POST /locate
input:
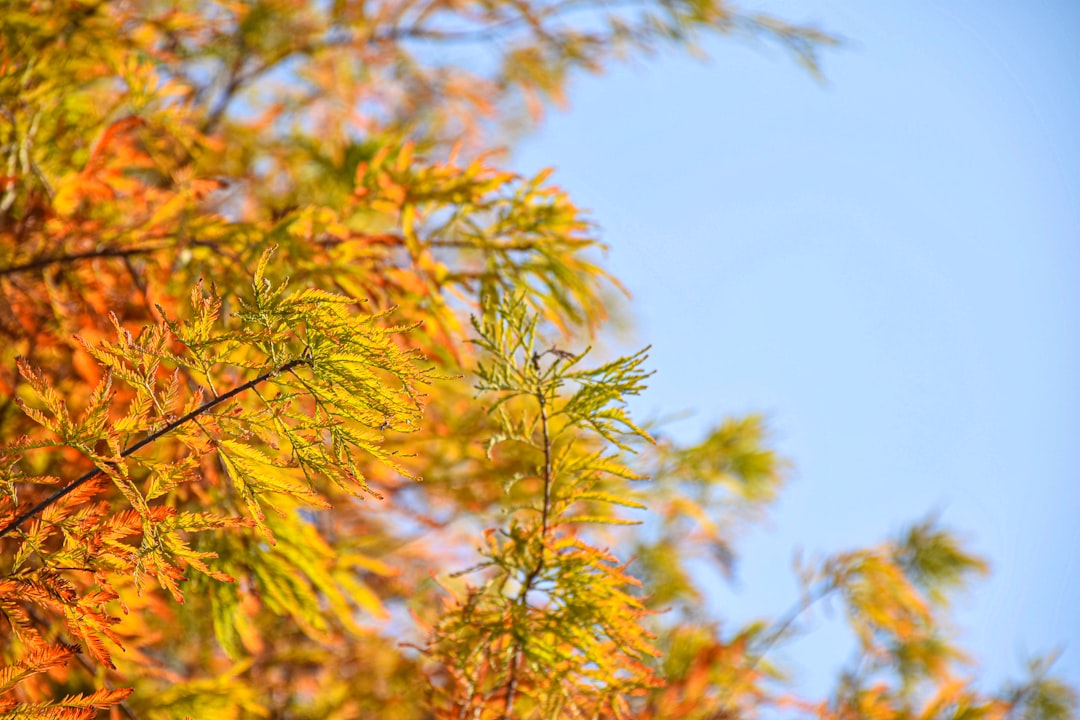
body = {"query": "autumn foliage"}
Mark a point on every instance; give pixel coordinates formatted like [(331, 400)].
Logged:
[(297, 408)]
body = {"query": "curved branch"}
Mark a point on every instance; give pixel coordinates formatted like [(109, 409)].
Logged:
[(108, 252), (208, 405), (41, 262)]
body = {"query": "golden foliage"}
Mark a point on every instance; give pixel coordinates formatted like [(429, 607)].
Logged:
[(239, 244)]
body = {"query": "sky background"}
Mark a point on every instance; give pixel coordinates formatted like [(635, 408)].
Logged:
[(887, 265)]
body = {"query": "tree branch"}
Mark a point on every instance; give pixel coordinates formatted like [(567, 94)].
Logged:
[(38, 263), (208, 405), (41, 262), (770, 641), (519, 654)]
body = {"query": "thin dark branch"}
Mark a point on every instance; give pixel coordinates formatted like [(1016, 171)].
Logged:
[(497, 29), (511, 685), (489, 245), (208, 405), (238, 80), (108, 686), (547, 454), (519, 654), (783, 626), (235, 83), (125, 253), (38, 263)]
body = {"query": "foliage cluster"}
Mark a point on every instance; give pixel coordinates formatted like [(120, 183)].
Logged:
[(239, 245)]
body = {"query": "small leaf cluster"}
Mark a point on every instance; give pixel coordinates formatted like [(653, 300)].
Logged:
[(554, 630)]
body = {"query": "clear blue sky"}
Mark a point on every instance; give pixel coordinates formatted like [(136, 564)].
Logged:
[(888, 265)]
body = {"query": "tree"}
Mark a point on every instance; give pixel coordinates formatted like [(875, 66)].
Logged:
[(239, 246)]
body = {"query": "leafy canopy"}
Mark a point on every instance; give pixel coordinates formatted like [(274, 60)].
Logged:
[(240, 244)]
